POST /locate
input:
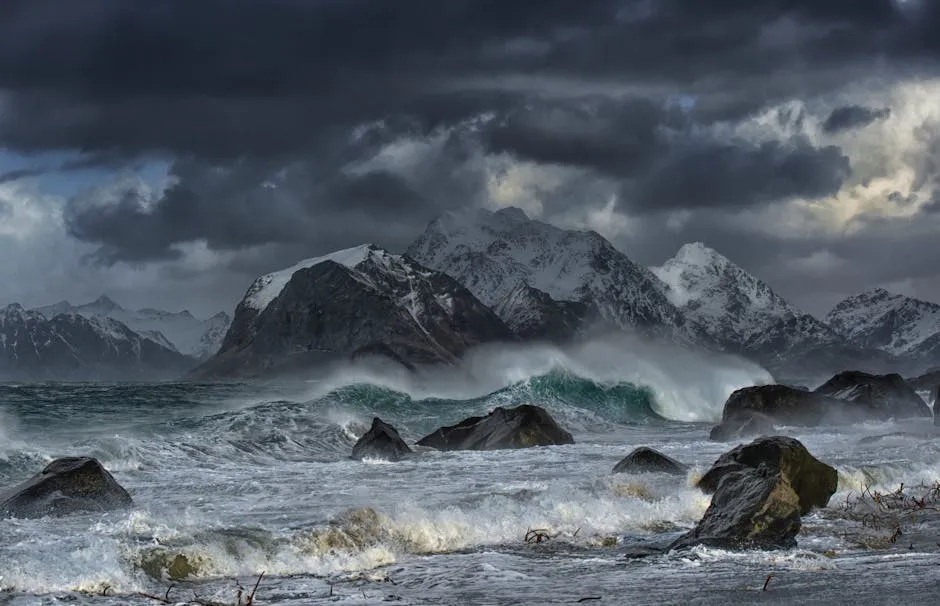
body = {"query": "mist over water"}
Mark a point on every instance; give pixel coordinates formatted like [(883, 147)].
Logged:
[(245, 478)]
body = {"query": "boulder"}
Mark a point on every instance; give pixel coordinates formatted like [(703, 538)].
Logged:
[(813, 481), (753, 508), (521, 427), (743, 425), (781, 403), (643, 460), (380, 442), (876, 396), (67, 485)]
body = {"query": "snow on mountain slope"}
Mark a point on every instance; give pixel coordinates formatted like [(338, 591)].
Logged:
[(74, 347), (491, 253), (178, 330), (734, 307), (897, 324), (266, 288), (357, 301)]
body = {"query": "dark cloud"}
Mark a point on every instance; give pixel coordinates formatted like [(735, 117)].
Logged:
[(244, 77), (851, 117), (249, 203), (739, 175), (260, 107)]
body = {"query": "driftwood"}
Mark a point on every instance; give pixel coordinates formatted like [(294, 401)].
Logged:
[(241, 599)]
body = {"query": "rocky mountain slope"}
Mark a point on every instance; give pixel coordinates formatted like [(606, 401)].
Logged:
[(355, 301), (73, 347), (900, 325), (744, 315), (541, 279), (199, 338)]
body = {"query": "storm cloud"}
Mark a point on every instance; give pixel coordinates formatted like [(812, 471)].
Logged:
[(853, 116), (294, 127)]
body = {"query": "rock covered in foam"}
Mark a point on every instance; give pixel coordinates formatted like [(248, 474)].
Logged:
[(67, 485), (505, 428), (381, 442)]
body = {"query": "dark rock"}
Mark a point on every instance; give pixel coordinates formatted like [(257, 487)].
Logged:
[(877, 396), (753, 508), (520, 427), (813, 481), (645, 459), (65, 486), (380, 442), (899, 434), (783, 404), (743, 425)]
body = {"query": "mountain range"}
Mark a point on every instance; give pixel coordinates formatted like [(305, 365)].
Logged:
[(73, 347), (475, 277), (527, 280), (175, 330)]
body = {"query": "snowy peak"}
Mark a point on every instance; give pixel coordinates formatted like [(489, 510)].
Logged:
[(179, 331), (734, 307), (894, 323), (491, 253), (704, 279), (266, 288)]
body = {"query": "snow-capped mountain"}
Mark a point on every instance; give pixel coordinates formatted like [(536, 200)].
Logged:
[(351, 302), (492, 253), (71, 346), (743, 315), (897, 324), (734, 307), (199, 338)]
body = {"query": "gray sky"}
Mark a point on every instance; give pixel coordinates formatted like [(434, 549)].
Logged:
[(167, 152)]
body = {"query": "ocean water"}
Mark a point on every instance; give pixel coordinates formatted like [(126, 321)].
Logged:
[(233, 480)]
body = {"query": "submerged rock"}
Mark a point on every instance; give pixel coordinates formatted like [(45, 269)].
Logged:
[(876, 396), (760, 491), (68, 485), (813, 481), (644, 459), (521, 427), (381, 442)]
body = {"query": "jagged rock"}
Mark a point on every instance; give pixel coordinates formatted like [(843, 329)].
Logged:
[(813, 481), (380, 442), (521, 427), (753, 508), (760, 491), (876, 396), (363, 300), (65, 486), (644, 459), (743, 425)]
